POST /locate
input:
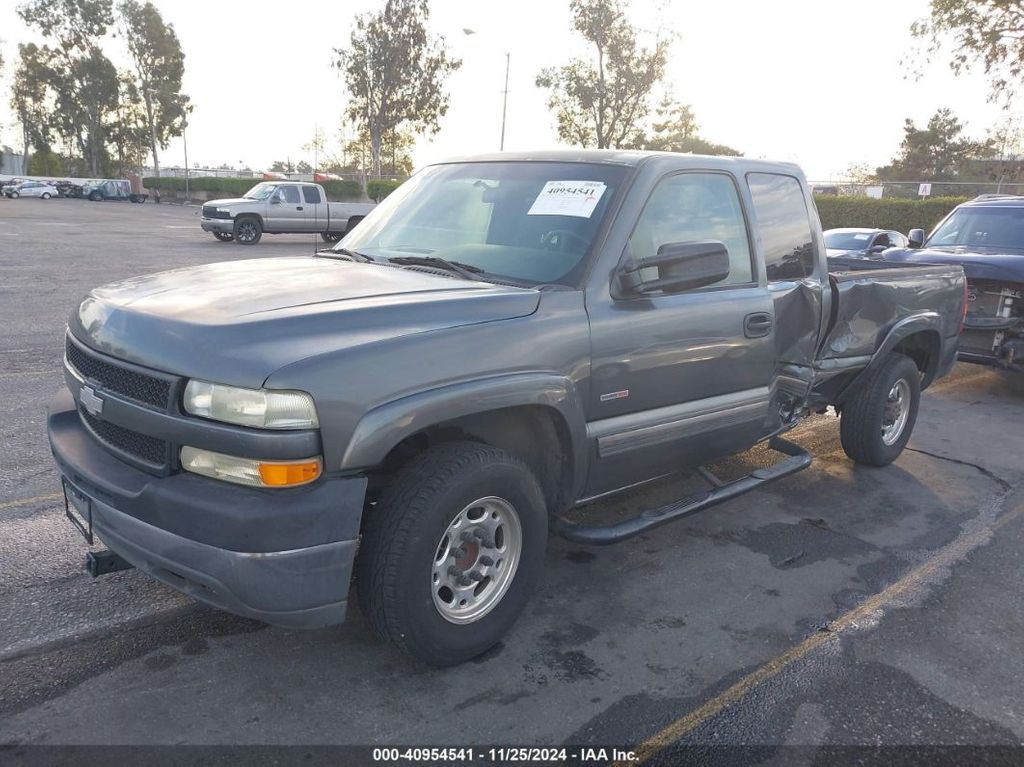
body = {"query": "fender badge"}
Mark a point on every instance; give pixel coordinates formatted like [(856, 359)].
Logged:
[(615, 395), (88, 399)]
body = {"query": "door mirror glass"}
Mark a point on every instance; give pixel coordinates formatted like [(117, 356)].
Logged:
[(916, 237), (676, 267)]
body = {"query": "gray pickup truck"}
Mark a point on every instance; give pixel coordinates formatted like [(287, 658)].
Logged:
[(281, 207), (503, 339)]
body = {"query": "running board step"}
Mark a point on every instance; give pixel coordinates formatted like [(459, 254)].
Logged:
[(591, 535)]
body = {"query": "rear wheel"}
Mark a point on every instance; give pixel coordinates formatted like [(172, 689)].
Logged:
[(12, 195), (331, 236), (451, 552), (224, 236), (878, 420), (248, 231), (45, 195), (95, 196)]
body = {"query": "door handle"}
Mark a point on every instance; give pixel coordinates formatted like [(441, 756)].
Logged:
[(757, 325), (298, 207)]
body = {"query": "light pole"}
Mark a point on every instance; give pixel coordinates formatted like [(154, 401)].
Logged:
[(504, 94), (186, 108)]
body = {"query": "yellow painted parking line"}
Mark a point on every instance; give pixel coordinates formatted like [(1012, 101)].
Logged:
[(27, 501), (862, 614)]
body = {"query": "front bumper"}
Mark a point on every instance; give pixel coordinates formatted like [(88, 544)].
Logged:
[(283, 557), (221, 225)]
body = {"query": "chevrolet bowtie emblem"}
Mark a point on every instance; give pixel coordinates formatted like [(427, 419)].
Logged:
[(88, 399)]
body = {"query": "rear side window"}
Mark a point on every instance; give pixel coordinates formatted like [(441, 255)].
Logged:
[(785, 225), (311, 194)]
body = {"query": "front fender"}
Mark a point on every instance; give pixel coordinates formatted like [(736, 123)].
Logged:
[(379, 430)]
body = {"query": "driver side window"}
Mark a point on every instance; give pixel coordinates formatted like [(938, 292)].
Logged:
[(695, 207)]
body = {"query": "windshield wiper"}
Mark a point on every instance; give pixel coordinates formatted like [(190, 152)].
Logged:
[(466, 271), (347, 255)]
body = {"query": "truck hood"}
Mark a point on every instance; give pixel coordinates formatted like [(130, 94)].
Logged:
[(978, 263), (237, 322), (230, 201)]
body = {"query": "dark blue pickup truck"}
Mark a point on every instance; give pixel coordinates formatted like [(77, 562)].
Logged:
[(986, 237), (504, 338)]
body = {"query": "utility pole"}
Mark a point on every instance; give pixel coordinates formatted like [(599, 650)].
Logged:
[(504, 101)]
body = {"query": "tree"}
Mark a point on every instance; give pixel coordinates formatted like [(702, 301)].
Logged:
[(395, 154), (937, 152), (159, 66), (985, 32), (303, 167), (674, 129), (79, 80), (602, 100), (28, 99), (281, 166), (395, 73)]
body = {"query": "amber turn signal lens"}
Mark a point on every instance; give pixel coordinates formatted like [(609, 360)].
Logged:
[(284, 474)]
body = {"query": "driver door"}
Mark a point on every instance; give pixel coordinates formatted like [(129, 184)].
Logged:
[(679, 378)]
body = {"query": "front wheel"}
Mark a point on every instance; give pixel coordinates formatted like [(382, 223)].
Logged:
[(878, 420), (451, 551), (331, 236), (224, 236), (45, 195), (13, 195), (95, 196), (248, 231)]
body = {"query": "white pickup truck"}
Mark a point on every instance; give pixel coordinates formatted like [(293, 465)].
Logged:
[(281, 207)]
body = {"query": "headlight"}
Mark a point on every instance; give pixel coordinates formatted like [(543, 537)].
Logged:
[(259, 408), (248, 471)]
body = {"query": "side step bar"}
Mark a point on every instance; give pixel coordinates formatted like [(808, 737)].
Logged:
[(591, 535)]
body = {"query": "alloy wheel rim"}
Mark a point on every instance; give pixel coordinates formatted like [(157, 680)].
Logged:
[(246, 231), (896, 413), (476, 559)]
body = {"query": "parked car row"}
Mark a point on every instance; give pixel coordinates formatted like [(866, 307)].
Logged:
[(95, 190), (986, 237)]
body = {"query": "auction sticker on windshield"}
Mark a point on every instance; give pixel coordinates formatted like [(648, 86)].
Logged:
[(567, 198)]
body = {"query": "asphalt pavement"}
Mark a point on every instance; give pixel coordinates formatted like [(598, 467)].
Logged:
[(841, 606)]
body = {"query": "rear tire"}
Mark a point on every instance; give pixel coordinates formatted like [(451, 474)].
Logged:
[(224, 236), (45, 195), (248, 231), (331, 237), (95, 196), (878, 420), (441, 597)]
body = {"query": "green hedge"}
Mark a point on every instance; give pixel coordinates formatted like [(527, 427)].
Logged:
[(379, 188), (346, 189), (886, 213)]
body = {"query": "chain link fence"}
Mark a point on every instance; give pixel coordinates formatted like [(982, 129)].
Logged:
[(912, 190)]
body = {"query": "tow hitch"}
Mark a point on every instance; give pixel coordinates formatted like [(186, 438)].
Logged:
[(102, 562)]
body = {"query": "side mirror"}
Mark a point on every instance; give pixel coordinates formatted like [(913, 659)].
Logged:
[(916, 237), (680, 266)]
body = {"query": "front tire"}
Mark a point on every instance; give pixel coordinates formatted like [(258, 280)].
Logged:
[(878, 420), (45, 195), (451, 552), (224, 236), (14, 195), (248, 231), (331, 237), (95, 196)]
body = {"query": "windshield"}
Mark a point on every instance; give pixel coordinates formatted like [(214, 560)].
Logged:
[(981, 228), (261, 191), (847, 240), (528, 221)]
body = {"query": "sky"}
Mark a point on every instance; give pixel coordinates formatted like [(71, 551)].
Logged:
[(817, 82)]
